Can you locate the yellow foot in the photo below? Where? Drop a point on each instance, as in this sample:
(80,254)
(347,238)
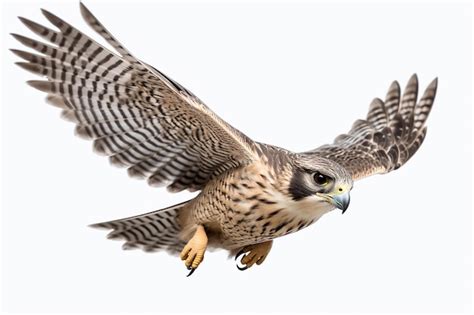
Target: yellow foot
(193,252)
(254,254)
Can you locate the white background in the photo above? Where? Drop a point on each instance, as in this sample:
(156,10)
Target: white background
(294,74)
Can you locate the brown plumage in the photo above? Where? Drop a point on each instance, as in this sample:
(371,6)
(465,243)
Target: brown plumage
(250,193)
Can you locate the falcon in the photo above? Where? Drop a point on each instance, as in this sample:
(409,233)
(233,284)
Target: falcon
(249,192)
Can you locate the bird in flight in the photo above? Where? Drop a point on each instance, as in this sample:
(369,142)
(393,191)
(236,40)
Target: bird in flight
(250,192)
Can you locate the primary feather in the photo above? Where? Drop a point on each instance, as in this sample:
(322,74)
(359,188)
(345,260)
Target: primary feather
(135,114)
(389,136)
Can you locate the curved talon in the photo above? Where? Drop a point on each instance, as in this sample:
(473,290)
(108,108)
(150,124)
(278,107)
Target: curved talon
(194,250)
(239,254)
(239,267)
(252,254)
(191,272)
(242,268)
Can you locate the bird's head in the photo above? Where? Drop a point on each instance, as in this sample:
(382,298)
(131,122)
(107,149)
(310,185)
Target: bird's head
(322,180)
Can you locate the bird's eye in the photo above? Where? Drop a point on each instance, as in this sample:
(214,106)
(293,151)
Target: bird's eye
(321,179)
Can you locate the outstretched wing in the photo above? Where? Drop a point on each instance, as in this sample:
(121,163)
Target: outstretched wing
(389,136)
(135,114)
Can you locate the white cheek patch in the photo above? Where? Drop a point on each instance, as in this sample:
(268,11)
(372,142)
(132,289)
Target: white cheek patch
(311,208)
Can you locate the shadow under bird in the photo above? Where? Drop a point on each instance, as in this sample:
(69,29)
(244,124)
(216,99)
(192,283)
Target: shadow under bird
(250,192)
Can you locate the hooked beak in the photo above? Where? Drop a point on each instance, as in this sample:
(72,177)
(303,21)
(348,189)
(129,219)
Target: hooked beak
(342,201)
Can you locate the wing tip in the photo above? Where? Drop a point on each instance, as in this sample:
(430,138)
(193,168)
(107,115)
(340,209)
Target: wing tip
(28,66)
(376,101)
(33,26)
(16,36)
(17,52)
(24,20)
(434,84)
(54,19)
(430,91)
(84,10)
(411,86)
(100,225)
(394,86)
(28,42)
(43,86)
(413,78)
(48,14)
(87,14)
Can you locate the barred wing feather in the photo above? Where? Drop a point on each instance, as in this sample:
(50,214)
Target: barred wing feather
(389,136)
(135,114)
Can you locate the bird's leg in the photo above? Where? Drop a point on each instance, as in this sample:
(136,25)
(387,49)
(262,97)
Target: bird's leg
(193,252)
(254,254)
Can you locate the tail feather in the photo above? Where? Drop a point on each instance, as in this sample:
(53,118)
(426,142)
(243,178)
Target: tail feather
(157,230)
